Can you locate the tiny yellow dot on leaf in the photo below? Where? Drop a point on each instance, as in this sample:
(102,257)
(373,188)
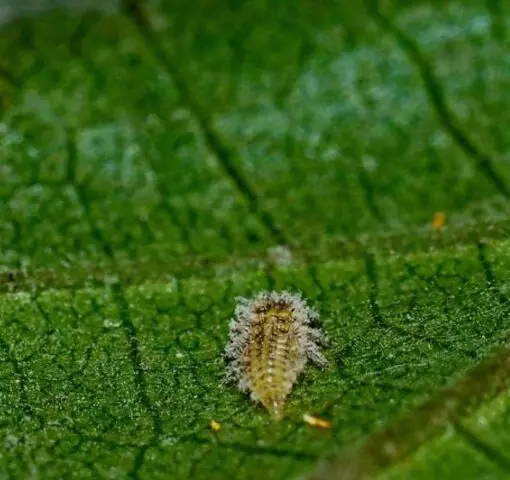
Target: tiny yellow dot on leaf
(438,220)
(316,422)
(215,426)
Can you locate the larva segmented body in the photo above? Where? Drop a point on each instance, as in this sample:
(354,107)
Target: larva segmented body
(271,339)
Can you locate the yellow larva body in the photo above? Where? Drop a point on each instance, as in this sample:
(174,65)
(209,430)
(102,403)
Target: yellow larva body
(271,340)
(270,356)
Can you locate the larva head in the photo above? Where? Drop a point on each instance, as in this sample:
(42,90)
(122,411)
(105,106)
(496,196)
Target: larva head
(280,312)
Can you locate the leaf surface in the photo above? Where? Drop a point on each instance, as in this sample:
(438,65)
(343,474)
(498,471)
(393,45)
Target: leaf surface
(159,160)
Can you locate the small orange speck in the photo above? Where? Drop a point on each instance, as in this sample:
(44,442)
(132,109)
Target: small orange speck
(215,426)
(316,422)
(438,220)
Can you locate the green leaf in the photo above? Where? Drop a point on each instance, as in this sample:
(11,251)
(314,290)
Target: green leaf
(476,447)
(159,160)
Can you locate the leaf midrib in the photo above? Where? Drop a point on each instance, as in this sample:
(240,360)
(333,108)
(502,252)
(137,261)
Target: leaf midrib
(409,244)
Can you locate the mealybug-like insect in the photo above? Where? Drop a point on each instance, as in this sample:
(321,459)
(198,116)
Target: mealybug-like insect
(271,339)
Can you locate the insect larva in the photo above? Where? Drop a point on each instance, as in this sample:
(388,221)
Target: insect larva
(272,337)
